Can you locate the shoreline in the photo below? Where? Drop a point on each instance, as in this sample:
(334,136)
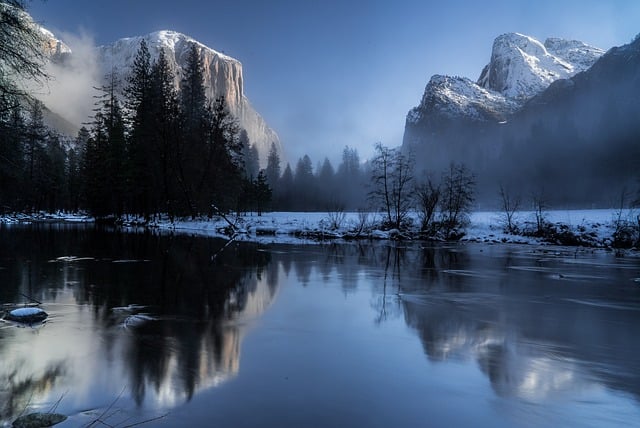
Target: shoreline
(573,228)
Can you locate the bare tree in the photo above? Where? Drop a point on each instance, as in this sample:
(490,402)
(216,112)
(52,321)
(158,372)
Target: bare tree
(509,204)
(427,199)
(391,177)
(540,207)
(458,195)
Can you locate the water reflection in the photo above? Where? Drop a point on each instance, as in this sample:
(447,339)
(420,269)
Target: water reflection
(539,323)
(161,318)
(191,311)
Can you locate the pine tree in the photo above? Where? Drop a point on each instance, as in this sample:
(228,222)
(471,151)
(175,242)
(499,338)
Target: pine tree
(106,153)
(284,194)
(142,127)
(262,192)
(221,176)
(250,156)
(12,133)
(273,167)
(194,152)
(166,139)
(34,144)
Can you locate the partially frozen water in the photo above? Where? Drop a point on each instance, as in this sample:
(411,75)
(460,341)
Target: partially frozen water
(143,326)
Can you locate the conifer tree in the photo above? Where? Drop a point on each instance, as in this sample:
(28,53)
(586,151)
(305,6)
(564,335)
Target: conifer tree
(273,167)
(105,156)
(166,142)
(142,126)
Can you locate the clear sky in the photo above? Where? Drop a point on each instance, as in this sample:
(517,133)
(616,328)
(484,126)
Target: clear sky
(331,73)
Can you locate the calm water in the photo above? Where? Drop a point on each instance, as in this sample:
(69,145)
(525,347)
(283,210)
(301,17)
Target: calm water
(350,335)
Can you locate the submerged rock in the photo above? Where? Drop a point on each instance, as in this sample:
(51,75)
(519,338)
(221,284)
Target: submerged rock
(26,315)
(37,420)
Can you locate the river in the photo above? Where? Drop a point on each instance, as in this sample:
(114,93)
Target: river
(180,331)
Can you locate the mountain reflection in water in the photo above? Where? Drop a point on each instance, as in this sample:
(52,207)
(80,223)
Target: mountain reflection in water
(550,332)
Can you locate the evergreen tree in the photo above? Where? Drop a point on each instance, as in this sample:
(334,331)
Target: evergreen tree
(95,169)
(273,167)
(74,170)
(262,192)
(12,132)
(34,146)
(166,144)
(284,194)
(250,156)
(305,196)
(221,175)
(142,127)
(327,187)
(105,154)
(195,153)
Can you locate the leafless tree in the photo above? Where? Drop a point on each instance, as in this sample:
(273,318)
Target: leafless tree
(391,177)
(457,197)
(509,204)
(427,199)
(540,207)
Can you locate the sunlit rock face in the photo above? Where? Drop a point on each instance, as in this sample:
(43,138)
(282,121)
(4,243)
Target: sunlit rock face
(521,66)
(223,77)
(54,48)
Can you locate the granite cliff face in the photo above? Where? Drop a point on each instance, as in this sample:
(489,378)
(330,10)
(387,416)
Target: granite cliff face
(223,77)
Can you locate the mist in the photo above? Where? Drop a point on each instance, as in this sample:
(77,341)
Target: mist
(70,91)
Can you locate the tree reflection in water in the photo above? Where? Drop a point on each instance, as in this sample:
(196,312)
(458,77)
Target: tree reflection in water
(537,324)
(196,305)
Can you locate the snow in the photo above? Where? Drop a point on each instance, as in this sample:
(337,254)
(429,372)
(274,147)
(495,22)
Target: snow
(121,53)
(313,227)
(522,67)
(456,96)
(59,216)
(485,226)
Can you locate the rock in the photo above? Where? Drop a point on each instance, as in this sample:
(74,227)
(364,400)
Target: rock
(27,315)
(37,420)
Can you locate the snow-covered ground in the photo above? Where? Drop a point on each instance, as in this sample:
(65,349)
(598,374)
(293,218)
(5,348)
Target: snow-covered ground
(485,226)
(45,217)
(306,227)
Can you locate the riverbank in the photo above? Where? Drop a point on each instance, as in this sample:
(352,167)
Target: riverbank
(588,228)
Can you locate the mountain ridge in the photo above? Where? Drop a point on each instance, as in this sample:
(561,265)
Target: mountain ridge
(576,138)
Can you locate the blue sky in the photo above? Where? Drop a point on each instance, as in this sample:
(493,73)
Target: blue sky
(331,73)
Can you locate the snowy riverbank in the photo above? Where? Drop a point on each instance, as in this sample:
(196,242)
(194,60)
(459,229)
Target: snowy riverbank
(594,228)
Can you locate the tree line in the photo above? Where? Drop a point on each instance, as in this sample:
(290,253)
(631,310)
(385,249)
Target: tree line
(151,148)
(156,150)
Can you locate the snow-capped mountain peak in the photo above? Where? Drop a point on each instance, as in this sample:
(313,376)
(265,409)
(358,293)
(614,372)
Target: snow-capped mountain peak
(453,96)
(521,66)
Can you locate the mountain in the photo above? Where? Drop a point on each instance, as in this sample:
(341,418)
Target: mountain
(520,68)
(223,77)
(561,116)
